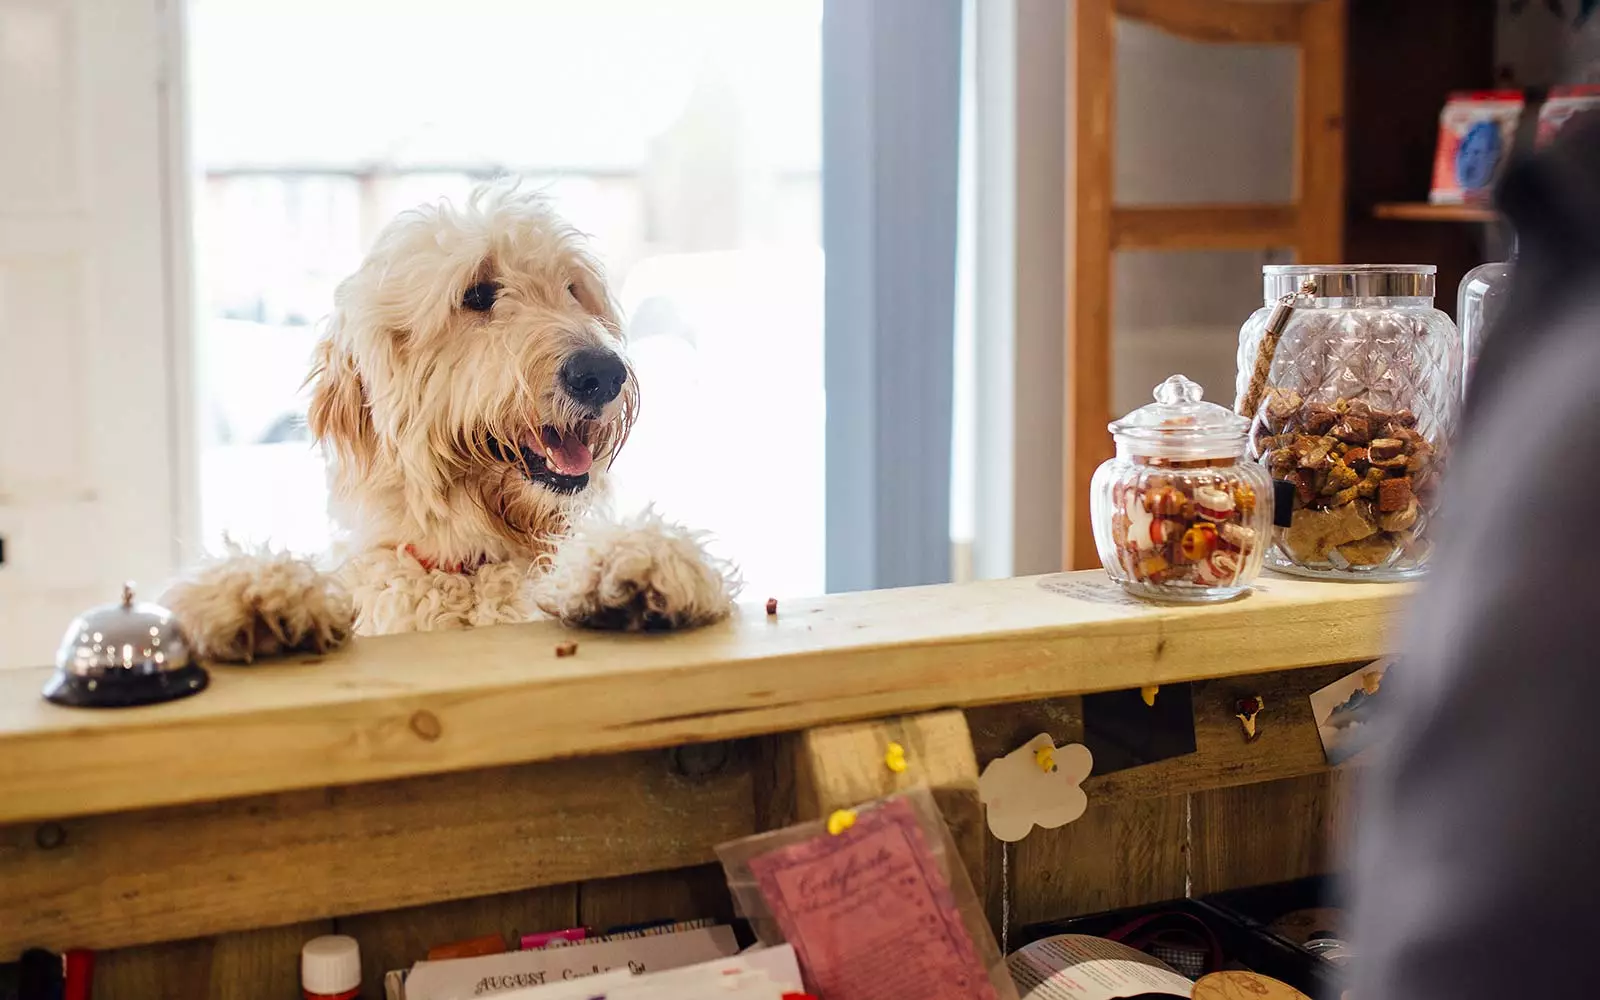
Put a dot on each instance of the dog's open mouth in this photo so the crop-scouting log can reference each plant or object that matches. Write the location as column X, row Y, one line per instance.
column 557, row 460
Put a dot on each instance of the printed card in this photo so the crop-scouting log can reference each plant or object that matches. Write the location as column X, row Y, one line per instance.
column 870, row 914
column 1344, row 712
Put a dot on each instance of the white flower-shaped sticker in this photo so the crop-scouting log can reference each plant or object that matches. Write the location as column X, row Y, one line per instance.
column 1035, row 785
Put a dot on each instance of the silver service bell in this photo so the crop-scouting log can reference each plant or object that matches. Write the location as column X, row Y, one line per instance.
column 124, row 654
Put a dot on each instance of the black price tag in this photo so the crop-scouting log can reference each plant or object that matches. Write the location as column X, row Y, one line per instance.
column 1282, row 503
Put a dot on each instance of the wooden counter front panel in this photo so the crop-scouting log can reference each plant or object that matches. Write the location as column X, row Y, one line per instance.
column 165, row 874
column 1229, row 815
column 264, row 964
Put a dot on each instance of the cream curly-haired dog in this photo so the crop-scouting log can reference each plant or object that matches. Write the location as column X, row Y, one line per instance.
column 469, row 393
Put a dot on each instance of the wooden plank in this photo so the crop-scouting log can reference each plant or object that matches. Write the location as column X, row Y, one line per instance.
column 1117, row 854
column 1320, row 146
column 394, row 939
column 1204, row 227
column 1090, row 191
column 1288, row 745
column 1260, row 834
column 684, row 894
column 1421, row 211
column 1129, row 848
column 840, row 766
column 446, row 701
column 1218, row 21
column 245, row 966
column 117, row 880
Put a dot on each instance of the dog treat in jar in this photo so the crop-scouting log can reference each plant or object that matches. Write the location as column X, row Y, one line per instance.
column 1180, row 514
column 1356, row 411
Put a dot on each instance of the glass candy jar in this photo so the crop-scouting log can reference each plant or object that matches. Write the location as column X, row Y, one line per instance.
column 1354, row 415
column 1478, row 304
column 1180, row 514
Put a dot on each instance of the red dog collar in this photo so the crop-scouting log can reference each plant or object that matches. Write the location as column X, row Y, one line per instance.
column 430, row 565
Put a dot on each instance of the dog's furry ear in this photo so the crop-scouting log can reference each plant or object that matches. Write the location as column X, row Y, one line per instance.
column 338, row 415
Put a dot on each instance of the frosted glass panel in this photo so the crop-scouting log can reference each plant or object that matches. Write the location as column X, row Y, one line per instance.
column 1180, row 312
column 1203, row 123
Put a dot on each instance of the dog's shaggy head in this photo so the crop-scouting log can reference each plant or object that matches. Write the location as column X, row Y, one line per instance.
column 471, row 391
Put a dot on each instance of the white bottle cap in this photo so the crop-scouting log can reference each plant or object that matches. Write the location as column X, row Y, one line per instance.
column 330, row 965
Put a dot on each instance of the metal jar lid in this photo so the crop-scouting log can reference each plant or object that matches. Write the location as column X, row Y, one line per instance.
column 124, row 654
column 1350, row 281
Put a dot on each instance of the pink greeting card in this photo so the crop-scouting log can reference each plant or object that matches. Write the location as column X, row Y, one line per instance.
column 871, row 915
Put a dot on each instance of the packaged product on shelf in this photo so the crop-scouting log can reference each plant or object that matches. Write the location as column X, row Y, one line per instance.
column 1179, row 514
column 875, row 902
column 1476, row 132
column 1564, row 104
column 1360, row 400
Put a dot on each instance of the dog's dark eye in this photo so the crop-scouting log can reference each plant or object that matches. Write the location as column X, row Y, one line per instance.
column 572, row 290
column 481, row 296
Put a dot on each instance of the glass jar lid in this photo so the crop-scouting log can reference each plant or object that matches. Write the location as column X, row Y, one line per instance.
column 1182, row 425
column 1349, row 281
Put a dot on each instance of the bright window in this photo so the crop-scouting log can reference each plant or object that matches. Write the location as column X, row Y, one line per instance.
column 683, row 136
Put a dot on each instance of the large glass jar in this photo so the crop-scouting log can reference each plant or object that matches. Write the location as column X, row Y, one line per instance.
column 1482, row 296
column 1180, row 514
column 1354, row 418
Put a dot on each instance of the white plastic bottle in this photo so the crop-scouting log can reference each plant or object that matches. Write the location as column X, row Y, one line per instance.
column 330, row 968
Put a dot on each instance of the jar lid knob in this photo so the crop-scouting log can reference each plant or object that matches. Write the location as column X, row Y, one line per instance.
column 127, row 594
column 1178, row 389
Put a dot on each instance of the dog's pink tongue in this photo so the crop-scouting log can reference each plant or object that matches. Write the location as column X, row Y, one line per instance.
column 567, row 455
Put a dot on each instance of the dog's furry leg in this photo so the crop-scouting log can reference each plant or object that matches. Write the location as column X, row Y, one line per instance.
column 640, row 574
column 258, row 603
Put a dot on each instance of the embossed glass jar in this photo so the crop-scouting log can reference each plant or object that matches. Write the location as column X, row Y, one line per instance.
column 1354, row 420
column 1180, row 514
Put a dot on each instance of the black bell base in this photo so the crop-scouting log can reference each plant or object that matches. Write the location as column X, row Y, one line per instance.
column 125, row 692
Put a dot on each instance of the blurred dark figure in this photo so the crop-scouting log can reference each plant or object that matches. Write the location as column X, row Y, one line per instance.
column 1478, row 874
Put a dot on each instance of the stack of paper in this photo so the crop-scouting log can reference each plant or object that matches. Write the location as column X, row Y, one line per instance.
column 767, row 974
column 636, row 965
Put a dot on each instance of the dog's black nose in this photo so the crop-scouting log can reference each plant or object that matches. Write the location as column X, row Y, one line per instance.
column 594, row 376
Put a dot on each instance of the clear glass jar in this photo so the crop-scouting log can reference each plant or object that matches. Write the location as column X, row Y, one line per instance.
column 1359, row 403
column 1180, row 514
column 1482, row 295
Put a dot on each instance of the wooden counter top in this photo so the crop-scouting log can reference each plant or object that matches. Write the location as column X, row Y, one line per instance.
column 434, row 702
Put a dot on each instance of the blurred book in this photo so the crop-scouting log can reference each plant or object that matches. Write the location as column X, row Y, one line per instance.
column 1080, row 967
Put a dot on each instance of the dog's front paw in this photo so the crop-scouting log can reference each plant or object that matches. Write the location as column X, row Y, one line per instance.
column 249, row 605
column 641, row 574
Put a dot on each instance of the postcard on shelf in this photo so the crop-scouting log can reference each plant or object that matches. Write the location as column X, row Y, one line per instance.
column 1344, row 712
column 463, row 978
column 1080, row 967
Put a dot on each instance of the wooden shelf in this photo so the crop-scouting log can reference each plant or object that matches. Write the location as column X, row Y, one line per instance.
column 429, row 703
column 1424, row 212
